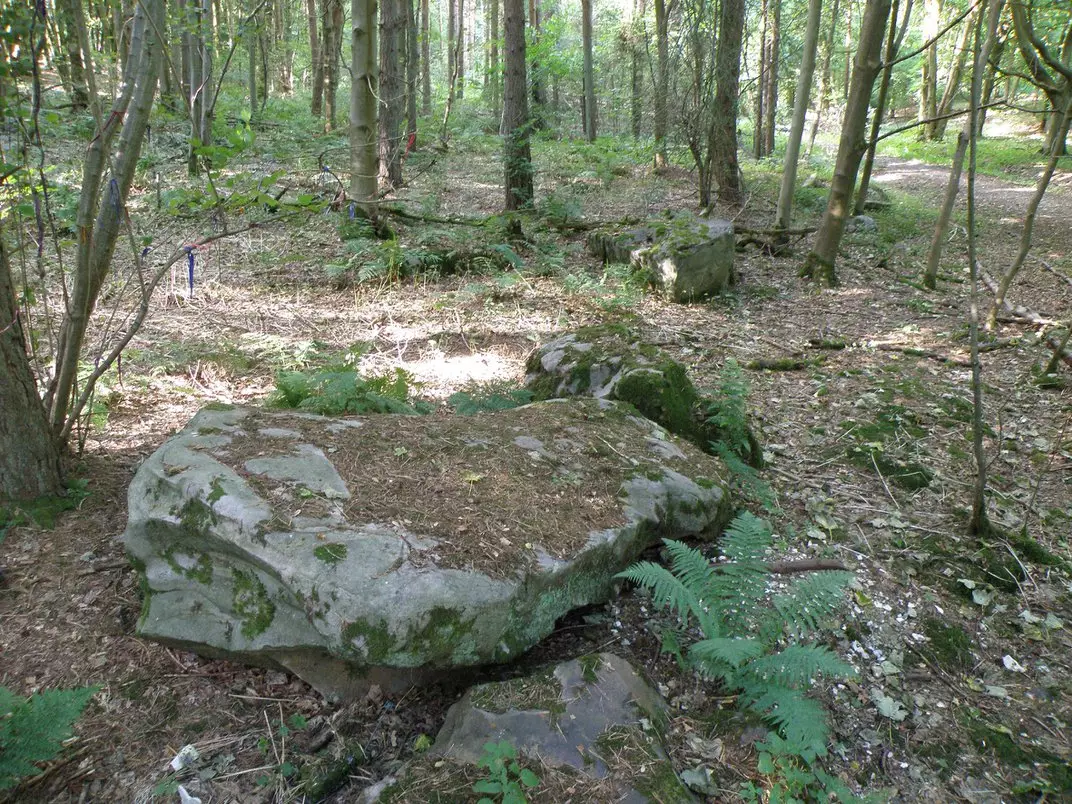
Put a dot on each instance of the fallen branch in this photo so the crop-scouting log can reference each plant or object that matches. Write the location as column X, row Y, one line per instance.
column 1055, row 272
column 782, row 363
column 806, row 565
column 1030, row 316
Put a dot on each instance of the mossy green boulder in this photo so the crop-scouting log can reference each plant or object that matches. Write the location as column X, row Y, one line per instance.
column 611, row 361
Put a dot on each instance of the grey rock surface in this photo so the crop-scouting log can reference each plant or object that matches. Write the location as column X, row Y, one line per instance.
column 693, row 261
column 592, row 721
column 396, row 547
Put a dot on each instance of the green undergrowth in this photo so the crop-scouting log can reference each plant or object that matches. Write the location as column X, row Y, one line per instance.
column 33, row 729
column 1004, row 157
column 42, row 512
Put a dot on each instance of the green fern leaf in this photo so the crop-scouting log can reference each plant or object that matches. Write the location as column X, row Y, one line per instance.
column 747, row 538
column 666, row 590
column 33, row 729
column 799, row 665
column 810, row 600
column 801, row 720
column 692, row 568
column 731, row 651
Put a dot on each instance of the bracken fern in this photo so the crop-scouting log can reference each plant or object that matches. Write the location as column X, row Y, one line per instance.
column 752, row 641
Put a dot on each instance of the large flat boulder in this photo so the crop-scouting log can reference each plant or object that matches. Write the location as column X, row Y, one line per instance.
column 385, row 548
column 692, row 260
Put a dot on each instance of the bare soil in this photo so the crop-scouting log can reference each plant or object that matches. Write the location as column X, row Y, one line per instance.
column 975, row 726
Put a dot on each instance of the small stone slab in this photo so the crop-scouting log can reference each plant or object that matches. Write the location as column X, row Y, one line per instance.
column 693, row 260
column 592, row 724
column 396, row 547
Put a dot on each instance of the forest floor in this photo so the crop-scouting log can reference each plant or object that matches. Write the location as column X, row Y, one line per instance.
column 964, row 646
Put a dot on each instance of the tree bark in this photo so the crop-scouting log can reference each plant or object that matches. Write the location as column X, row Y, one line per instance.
column 494, row 67
column 517, row 154
column 332, row 44
column 894, row 37
column 636, row 73
column 928, row 82
column 460, row 54
column 662, row 82
column 102, row 204
column 770, row 89
column 800, row 110
column 390, row 93
column 73, row 51
column 824, row 79
column 588, row 72
column 316, row 59
column 945, row 212
column 426, row 60
column 761, row 82
column 936, row 129
column 536, row 76
column 821, row 260
column 29, row 457
column 364, row 154
column 412, row 61
column 722, row 144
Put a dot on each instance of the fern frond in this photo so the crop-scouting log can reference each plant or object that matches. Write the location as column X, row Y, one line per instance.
column 747, row 538
column 666, row 590
column 33, row 730
column 800, row 719
column 729, row 651
column 798, row 666
column 692, row 568
column 810, row 600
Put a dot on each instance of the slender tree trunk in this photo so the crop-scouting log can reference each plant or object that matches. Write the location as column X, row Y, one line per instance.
column 316, row 60
column 800, row 109
column 452, row 50
column 29, row 456
column 761, row 82
column 772, row 77
column 928, row 83
column 821, row 260
column 332, row 28
column 848, row 49
column 945, row 212
column 936, row 130
column 460, row 55
column 391, row 93
column 364, row 153
column 517, row 155
column 426, row 60
column 722, row 142
column 413, row 61
column 636, row 54
column 73, row 49
column 894, row 36
column 102, row 204
column 824, row 80
column 1029, row 222
column 662, row 82
column 589, row 72
column 286, row 46
column 537, row 109
column 494, row 67
column 251, row 76
column 990, row 80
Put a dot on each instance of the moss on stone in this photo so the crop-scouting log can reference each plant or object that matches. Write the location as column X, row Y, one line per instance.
column 331, row 553
column 540, row 692
column 196, row 516
column 372, row 643
column 590, row 664
column 218, row 406
column 216, row 492
column 250, row 603
column 201, row 571
column 444, row 634
column 664, row 394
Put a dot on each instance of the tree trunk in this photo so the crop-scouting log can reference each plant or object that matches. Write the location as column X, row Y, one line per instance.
column 771, row 88
column 824, row 79
column 588, row 72
column 761, row 82
column 536, row 76
column 662, row 82
column 821, row 260
column 928, row 82
column 426, row 60
column 945, row 212
column 894, row 37
column 452, row 50
column 1029, row 219
column 102, row 206
column 332, row 14
column 800, row 110
column 412, row 61
column 517, row 155
column 29, row 458
column 316, row 60
column 286, row 64
column 936, row 129
column 494, row 68
column 636, row 75
column 364, row 167
column 460, row 54
column 251, row 77
column 391, row 93
column 722, row 143
column 199, row 28
column 73, row 50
